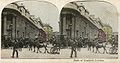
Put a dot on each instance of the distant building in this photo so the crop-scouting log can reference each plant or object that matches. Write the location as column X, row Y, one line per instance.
column 115, row 37
column 56, row 33
column 108, row 31
column 49, row 31
column 115, row 33
column 56, row 36
column 76, row 22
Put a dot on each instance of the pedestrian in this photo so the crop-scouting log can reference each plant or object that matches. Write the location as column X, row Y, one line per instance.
column 30, row 44
column 20, row 44
column 73, row 47
column 45, row 46
column 79, row 45
column 15, row 48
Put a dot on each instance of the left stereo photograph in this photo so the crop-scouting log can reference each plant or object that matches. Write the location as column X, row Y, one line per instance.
column 28, row 29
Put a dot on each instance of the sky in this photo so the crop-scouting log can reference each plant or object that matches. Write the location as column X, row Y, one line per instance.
column 105, row 11
column 49, row 13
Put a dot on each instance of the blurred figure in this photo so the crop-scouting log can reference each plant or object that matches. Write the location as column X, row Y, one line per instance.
column 15, row 48
column 20, row 42
column 79, row 40
column 73, row 47
column 45, row 46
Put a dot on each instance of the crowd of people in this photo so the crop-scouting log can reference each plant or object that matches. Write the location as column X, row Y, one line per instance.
column 72, row 43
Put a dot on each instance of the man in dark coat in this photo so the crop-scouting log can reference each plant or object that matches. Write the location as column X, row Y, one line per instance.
column 73, row 47
column 15, row 48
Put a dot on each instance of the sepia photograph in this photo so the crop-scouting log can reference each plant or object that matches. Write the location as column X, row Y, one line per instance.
column 35, row 30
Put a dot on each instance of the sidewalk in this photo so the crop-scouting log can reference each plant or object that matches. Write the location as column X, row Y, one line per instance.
column 64, row 53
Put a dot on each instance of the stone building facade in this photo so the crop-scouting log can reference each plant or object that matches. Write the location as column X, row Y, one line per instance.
column 17, row 22
column 76, row 22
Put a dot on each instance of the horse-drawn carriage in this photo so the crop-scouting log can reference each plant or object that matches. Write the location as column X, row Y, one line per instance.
column 114, row 45
column 113, row 49
column 58, row 43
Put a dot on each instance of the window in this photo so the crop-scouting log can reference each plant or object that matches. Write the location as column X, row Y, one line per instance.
column 23, row 34
column 85, row 29
column 20, row 10
column 17, row 33
column 80, row 10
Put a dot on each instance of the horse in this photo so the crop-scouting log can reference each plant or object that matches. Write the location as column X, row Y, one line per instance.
column 97, row 45
column 8, row 43
column 25, row 42
column 101, row 45
column 20, row 43
column 91, row 44
column 40, row 44
column 30, row 44
column 79, row 45
column 84, row 42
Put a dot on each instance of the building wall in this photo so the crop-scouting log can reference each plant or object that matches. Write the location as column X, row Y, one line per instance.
column 21, row 28
column 74, row 25
column 76, row 22
column 16, row 23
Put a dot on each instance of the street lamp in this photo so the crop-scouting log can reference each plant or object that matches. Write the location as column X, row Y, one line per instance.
column 77, row 33
column 70, row 26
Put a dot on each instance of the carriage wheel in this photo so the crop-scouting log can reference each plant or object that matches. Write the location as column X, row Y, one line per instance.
column 52, row 50
column 113, row 50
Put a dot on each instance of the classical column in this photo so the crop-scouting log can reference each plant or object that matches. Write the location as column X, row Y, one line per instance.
column 75, row 27
column 14, row 27
column 61, row 25
column 4, row 24
column 64, row 24
column 17, row 27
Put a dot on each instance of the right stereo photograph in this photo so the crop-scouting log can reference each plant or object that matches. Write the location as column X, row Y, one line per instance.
column 90, row 29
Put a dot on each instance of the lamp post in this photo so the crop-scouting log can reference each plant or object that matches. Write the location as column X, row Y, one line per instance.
column 70, row 25
column 77, row 33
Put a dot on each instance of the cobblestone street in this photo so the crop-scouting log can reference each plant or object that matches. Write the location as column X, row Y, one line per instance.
column 64, row 54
